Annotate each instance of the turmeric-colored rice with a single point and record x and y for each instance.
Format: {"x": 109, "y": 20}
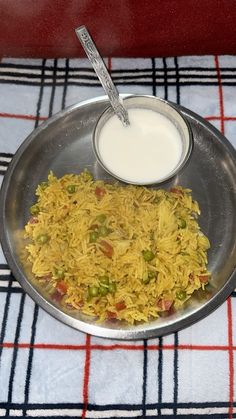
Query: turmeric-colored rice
{"x": 116, "y": 252}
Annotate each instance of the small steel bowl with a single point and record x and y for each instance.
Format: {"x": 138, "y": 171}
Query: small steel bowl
{"x": 157, "y": 105}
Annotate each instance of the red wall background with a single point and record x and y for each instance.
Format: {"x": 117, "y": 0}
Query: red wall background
{"x": 45, "y": 28}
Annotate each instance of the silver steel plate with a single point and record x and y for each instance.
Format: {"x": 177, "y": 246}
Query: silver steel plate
{"x": 63, "y": 144}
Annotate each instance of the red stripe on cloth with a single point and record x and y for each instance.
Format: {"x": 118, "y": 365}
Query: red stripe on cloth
{"x": 60, "y": 347}
{"x": 18, "y": 116}
{"x": 221, "y": 103}
{"x": 164, "y": 347}
{"x": 231, "y": 357}
{"x": 218, "y": 118}
{"x": 86, "y": 375}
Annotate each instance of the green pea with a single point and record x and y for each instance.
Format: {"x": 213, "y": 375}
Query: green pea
{"x": 87, "y": 175}
{"x": 103, "y": 231}
{"x": 59, "y": 273}
{"x": 71, "y": 189}
{"x": 146, "y": 278}
{"x": 151, "y": 274}
{"x": 181, "y": 295}
{"x": 182, "y": 223}
{"x": 93, "y": 291}
{"x": 104, "y": 280}
{"x": 148, "y": 255}
{"x": 93, "y": 236}
{"x": 103, "y": 291}
{"x": 43, "y": 185}
{"x": 42, "y": 238}
{"x": 101, "y": 218}
{"x": 112, "y": 288}
{"x": 34, "y": 210}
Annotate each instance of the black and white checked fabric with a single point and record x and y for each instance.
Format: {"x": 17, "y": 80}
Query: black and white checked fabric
{"x": 50, "y": 370}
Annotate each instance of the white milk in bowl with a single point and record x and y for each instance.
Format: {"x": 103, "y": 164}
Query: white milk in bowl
{"x": 146, "y": 151}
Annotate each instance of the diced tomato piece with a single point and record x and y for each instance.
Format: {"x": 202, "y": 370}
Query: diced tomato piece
{"x": 167, "y": 304}
{"x": 47, "y": 277}
{"x": 159, "y": 304}
{"x": 177, "y": 191}
{"x": 191, "y": 278}
{"x": 164, "y": 304}
{"x": 111, "y": 315}
{"x": 99, "y": 192}
{"x": 120, "y": 306}
{"x": 57, "y": 296}
{"x": 93, "y": 227}
{"x": 107, "y": 248}
{"x": 61, "y": 287}
{"x": 80, "y": 304}
{"x": 203, "y": 278}
{"x": 33, "y": 220}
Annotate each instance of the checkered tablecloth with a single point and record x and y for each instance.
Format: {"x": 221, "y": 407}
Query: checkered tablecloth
{"x": 48, "y": 369}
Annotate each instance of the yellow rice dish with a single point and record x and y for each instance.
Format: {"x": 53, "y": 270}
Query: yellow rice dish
{"x": 126, "y": 253}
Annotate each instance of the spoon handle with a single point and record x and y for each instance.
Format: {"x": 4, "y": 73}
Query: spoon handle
{"x": 102, "y": 73}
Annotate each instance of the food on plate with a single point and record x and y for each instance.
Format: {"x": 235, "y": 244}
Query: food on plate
{"x": 116, "y": 252}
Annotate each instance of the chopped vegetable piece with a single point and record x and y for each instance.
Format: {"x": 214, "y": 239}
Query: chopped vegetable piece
{"x": 167, "y": 304}
{"x": 177, "y": 191}
{"x": 46, "y": 278}
{"x": 111, "y": 315}
{"x": 80, "y": 304}
{"x": 59, "y": 273}
{"x": 71, "y": 189}
{"x": 34, "y": 210}
{"x": 146, "y": 278}
{"x": 103, "y": 291}
{"x": 181, "y": 295}
{"x": 148, "y": 255}
{"x": 191, "y": 278}
{"x": 61, "y": 287}
{"x": 93, "y": 227}
{"x": 57, "y": 296}
{"x": 203, "y": 278}
{"x": 107, "y": 249}
{"x": 33, "y": 220}
{"x": 151, "y": 274}
{"x": 182, "y": 223}
{"x": 93, "y": 236}
{"x": 103, "y": 231}
{"x": 99, "y": 192}
{"x": 112, "y": 288}
{"x": 104, "y": 280}
{"x": 120, "y": 306}
{"x": 93, "y": 291}
{"x": 101, "y": 218}
{"x": 87, "y": 175}
{"x": 42, "y": 238}
{"x": 164, "y": 304}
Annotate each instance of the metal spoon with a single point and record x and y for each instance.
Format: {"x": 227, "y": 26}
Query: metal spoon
{"x": 102, "y": 73}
